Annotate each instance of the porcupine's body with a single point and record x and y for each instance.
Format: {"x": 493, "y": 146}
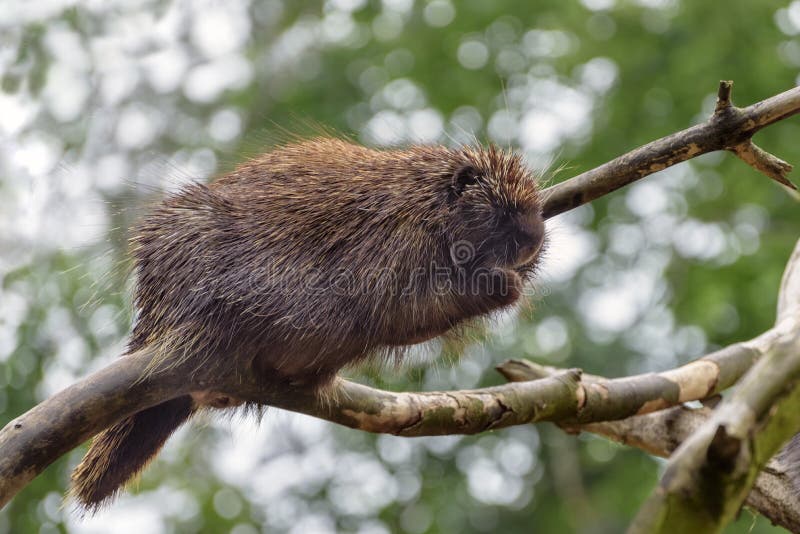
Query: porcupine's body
{"x": 311, "y": 257}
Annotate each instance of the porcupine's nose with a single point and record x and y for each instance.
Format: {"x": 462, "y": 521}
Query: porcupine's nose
{"x": 529, "y": 237}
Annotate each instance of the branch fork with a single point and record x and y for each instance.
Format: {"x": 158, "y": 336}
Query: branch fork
{"x": 761, "y": 160}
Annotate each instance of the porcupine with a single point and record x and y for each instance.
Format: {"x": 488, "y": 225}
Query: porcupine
{"x": 312, "y": 256}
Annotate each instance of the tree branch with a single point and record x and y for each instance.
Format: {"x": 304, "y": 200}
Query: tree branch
{"x": 763, "y": 161}
{"x": 57, "y": 425}
{"x": 710, "y": 475}
{"x": 773, "y": 494}
{"x": 39, "y": 437}
{"x": 660, "y": 433}
{"x": 727, "y": 128}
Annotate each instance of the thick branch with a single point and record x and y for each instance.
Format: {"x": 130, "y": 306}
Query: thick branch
{"x": 39, "y": 437}
{"x": 711, "y": 473}
{"x": 773, "y": 494}
{"x": 727, "y": 128}
{"x": 660, "y": 433}
{"x": 604, "y": 399}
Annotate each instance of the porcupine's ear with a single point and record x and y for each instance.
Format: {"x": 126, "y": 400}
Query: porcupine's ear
{"x": 465, "y": 176}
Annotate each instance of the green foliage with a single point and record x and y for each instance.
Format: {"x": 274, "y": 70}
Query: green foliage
{"x": 645, "y": 279}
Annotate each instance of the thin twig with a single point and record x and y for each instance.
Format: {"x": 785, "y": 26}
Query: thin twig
{"x": 763, "y": 161}
{"x": 724, "y": 95}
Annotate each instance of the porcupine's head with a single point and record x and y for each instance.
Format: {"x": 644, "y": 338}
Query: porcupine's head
{"x": 496, "y": 212}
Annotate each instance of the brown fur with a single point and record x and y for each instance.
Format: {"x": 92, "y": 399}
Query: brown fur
{"x": 314, "y": 256}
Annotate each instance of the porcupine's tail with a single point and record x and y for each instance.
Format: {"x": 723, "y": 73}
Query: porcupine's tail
{"x": 120, "y": 452}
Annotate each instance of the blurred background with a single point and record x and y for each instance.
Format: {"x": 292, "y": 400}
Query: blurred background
{"x": 107, "y": 105}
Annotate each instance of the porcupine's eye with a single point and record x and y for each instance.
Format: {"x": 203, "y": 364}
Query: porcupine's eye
{"x": 464, "y": 177}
